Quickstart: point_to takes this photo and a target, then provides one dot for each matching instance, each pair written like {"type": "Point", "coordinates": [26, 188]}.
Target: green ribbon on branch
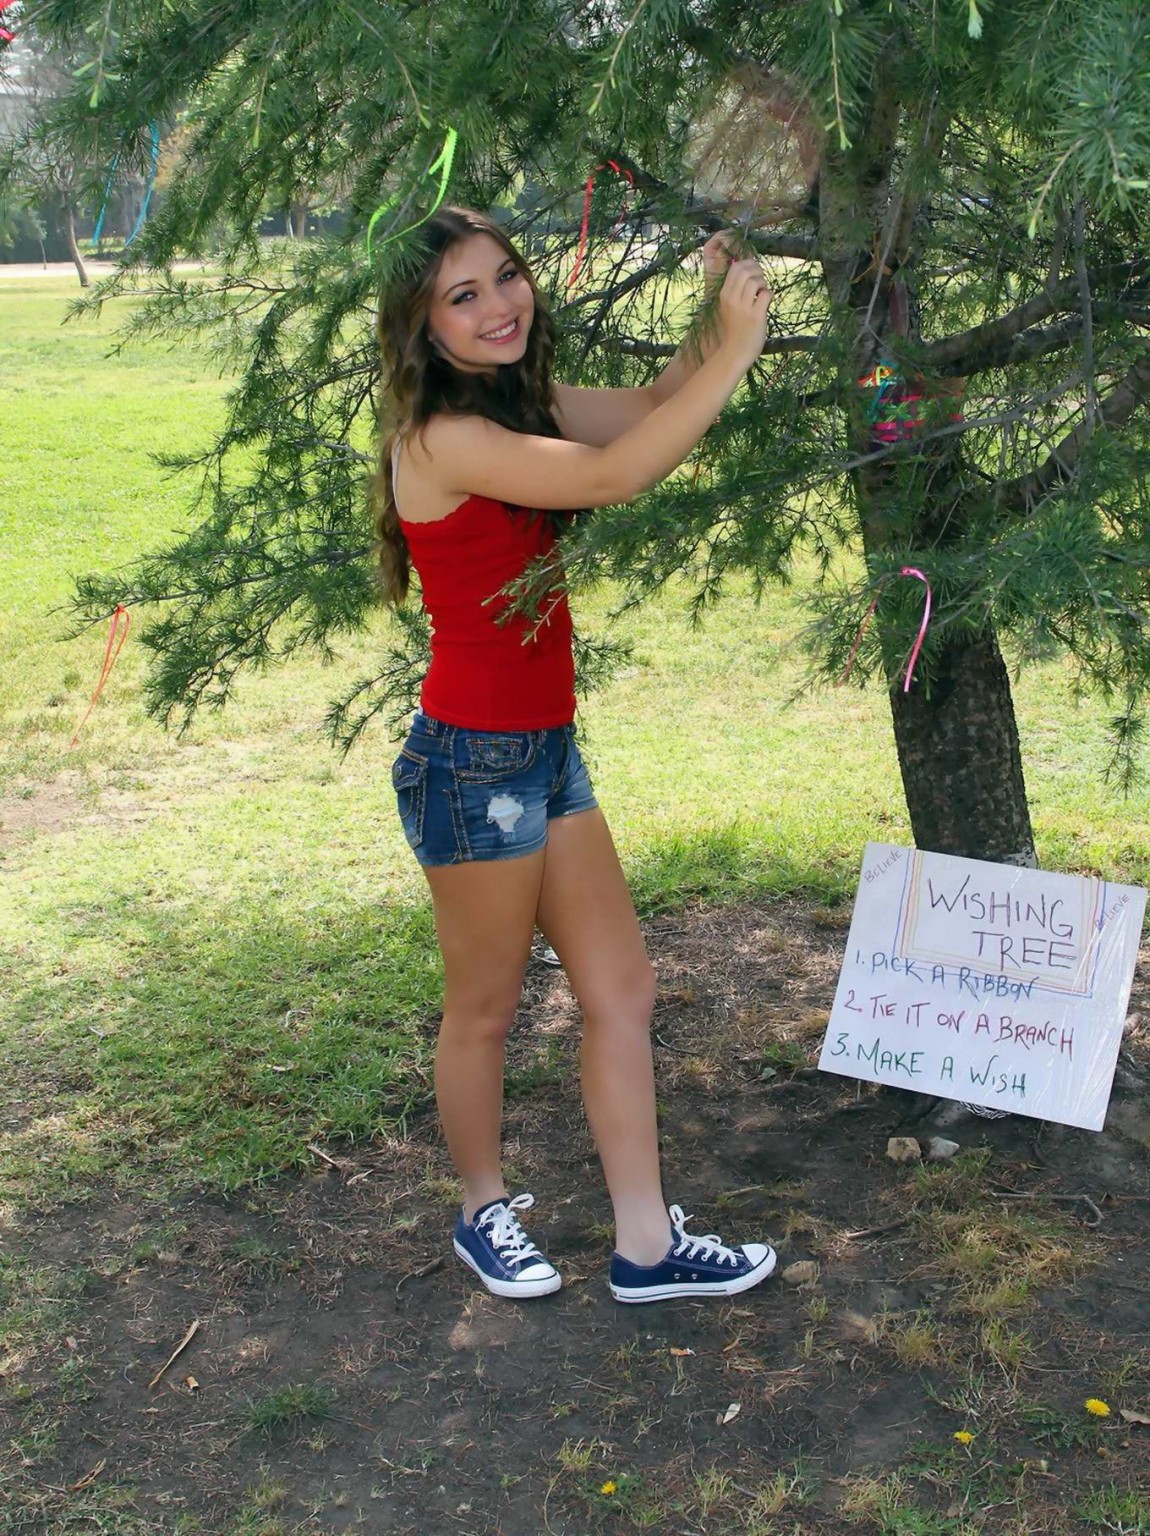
{"type": "Point", "coordinates": [442, 163]}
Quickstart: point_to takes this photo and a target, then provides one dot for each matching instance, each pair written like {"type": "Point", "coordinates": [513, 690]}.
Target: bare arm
{"type": "Point", "coordinates": [470, 455]}
{"type": "Point", "coordinates": [599, 416]}
{"type": "Point", "coordinates": [691, 355]}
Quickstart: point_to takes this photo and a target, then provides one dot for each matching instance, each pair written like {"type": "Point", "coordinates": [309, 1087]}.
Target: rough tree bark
{"type": "Point", "coordinates": [960, 759]}
{"type": "Point", "coordinates": [955, 733]}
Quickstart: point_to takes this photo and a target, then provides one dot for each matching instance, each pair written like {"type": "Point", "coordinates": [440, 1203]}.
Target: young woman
{"type": "Point", "coordinates": [487, 455]}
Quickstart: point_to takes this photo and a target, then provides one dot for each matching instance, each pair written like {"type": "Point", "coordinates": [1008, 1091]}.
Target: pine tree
{"type": "Point", "coordinates": [953, 197]}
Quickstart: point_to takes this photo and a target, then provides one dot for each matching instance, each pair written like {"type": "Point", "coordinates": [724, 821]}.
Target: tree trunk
{"type": "Point", "coordinates": [960, 760]}
{"type": "Point", "coordinates": [73, 247]}
{"type": "Point", "coordinates": [297, 220]}
{"type": "Point", "coordinates": [955, 731]}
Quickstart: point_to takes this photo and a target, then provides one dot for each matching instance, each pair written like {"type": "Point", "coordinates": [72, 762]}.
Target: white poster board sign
{"type": "Point", "coordinates": [986, 983]}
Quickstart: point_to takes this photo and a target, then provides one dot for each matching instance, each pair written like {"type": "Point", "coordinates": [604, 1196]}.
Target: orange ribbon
{"type": "Point", "coordinates": [115, 645]}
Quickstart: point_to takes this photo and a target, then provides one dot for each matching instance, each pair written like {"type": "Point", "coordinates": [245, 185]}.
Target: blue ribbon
{"type": "Point", "coordinates": [149, 189]}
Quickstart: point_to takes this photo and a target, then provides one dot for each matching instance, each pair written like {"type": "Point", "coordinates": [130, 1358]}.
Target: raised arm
{"type": "Point", "coordinates": [599, 416]}
{"type": "Point", "coordinates": [470, 455]}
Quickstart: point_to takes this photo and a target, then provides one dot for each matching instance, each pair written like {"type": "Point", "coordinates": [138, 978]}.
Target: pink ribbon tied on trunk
{"type": "Point", "coordinates": [907, 570]}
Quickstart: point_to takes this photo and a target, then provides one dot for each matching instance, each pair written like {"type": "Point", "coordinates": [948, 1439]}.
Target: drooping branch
{"type": "Point", "coordinates": [788, 246]}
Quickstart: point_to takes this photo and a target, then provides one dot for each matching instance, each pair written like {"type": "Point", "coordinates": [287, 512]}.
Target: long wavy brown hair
{"type": "Point", "coordinates": [419, 383]}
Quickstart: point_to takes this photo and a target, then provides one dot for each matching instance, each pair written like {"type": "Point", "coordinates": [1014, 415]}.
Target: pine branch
{"type": "Point", "coordinates": [633, 346]}
{"type": "Point", "coordinates": [1127, 396]}
{"type": "Point", "coordinates": [789, 247]}
{"type": "Point", "coordinates": [1025, 347]}
{"type": "Point", "coordinates": [950, 353]}
{"type": "Point", "coordinates": [1081, 272]}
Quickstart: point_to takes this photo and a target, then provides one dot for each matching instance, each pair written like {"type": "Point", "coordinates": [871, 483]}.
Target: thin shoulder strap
{"type": "Point", "coordinates": [395, 447]}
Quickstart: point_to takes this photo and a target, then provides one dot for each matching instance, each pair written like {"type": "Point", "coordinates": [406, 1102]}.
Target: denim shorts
{"type": "Point", "coordinates": [484, 795]}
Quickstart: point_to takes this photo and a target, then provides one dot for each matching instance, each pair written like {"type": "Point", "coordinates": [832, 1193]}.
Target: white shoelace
{"type": "Point", "coordinates": [508, 1238]}
{"type": "Point", "coordinates": [689, 1244]}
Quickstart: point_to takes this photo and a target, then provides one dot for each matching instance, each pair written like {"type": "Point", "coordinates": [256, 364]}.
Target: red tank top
{"type": "Point", "coordinates": [514, 676]}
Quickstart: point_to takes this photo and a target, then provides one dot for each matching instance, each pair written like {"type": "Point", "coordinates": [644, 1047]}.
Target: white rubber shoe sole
{"type": "Point", "coordinates": [764, 1267]}
{"type": "Point", "coordinates": [541, 1286]}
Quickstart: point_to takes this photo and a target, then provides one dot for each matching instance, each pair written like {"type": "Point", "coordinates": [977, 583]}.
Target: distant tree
{"type": "Point", "coordinates": [44, 170]}
{"type": "Point", "coordinates": [19, 222]}
{"type": "Point", "coordinates": [954, 197]}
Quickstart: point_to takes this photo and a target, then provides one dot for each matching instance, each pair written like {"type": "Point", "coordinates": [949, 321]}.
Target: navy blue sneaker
{"type": "Point", "coordinates": [496, 1247]}
{"type": "Point", "coordinates": [694, 1266]}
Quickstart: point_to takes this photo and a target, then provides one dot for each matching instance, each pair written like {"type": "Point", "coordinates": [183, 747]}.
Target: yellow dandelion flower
{"type": "Point", "coordinates": [609, 1489]}
{"type": "Point", "coordinates": [1096, 1407]}
{"type": "Point", "coordinates": [963, 1436]}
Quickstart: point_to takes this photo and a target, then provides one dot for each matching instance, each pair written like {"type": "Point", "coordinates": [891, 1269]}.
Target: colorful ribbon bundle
{"type": "Point", "coordinates": [907, 570]}
{"type": "Point", "coordinates": [900, 408]}
{"type": "Point", "coordinates": [620, 170]}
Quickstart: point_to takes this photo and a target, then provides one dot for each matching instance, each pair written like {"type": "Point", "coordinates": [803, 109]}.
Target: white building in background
{"type": "Point", "coordinates": [15, 105]}
{"type": "Point", "coordinates": [15, 70]}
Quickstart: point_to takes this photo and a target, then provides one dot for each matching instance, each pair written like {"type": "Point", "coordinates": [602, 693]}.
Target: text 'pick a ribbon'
{"type": "Point", "coordinates": [116, 638]}
{"type": "Point", "coordinates": [442, 164]}
{"type": "Point", "coordinates": [620, 170]}
{"type": "Point", "coordinates": [907, 570]}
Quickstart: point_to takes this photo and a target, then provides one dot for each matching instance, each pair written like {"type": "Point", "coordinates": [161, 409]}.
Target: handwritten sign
{"type": "Point", "coordinates": [987, 983]}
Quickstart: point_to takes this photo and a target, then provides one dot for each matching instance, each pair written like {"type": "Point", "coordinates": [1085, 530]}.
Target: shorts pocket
{"type": "Point", "coordinates": [487, 759]}
{"type": "Point", "coordinates": [409, 779]}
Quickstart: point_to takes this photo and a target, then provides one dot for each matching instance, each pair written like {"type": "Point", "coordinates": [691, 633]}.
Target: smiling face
{"type": "Point", "coordinates": [482, 306]}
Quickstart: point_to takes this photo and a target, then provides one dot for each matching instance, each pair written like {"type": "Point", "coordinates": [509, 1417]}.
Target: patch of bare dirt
{"type": "Point", "coordinates": [73, 799]}
{"type": "Point", "coordinates": [434, 1408]}
{"type": "Point", "coordinates": [51, 808]}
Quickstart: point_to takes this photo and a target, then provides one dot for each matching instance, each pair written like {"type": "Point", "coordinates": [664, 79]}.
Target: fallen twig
{"type": "Point", "coordinates": [680, 1050]}
{"type": "Point", "coordinates": [89, 1477]}
{"type": "Point", "coordinates": [179, 1349]}
{"type": "Point", "coordinates": [1097, 1222]}
{"type": "Point", "coordinates": [319, 1152]}
{"type": "Point", "coordinates": [887, 1226]}
{"type": "Point", "coordinates": [1012, 1194]}
{"type": "Point", "coordinates": [418, 1274]}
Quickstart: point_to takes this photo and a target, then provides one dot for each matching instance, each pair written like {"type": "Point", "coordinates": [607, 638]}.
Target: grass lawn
{"type": "Point", "coordinates": [212, 947]}
{"type": "Point", "coordinates": [216, 955]}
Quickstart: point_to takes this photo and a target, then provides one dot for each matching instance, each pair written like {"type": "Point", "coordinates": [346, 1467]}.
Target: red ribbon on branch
{"type": "Point", "coordinates": [907, 570]}
{"type": "Point", "coordinates": [115, 645]}
{"type": "Point", "coordinates": [620, 170]}
{"type": "Point", "coordinates": [6, 36]}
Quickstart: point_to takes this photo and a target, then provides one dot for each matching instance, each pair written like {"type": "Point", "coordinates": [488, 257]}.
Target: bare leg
{"type": "Point", "coordinates": [586, 912]}
{"type": "Point", "coordinates": [485, 917]}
